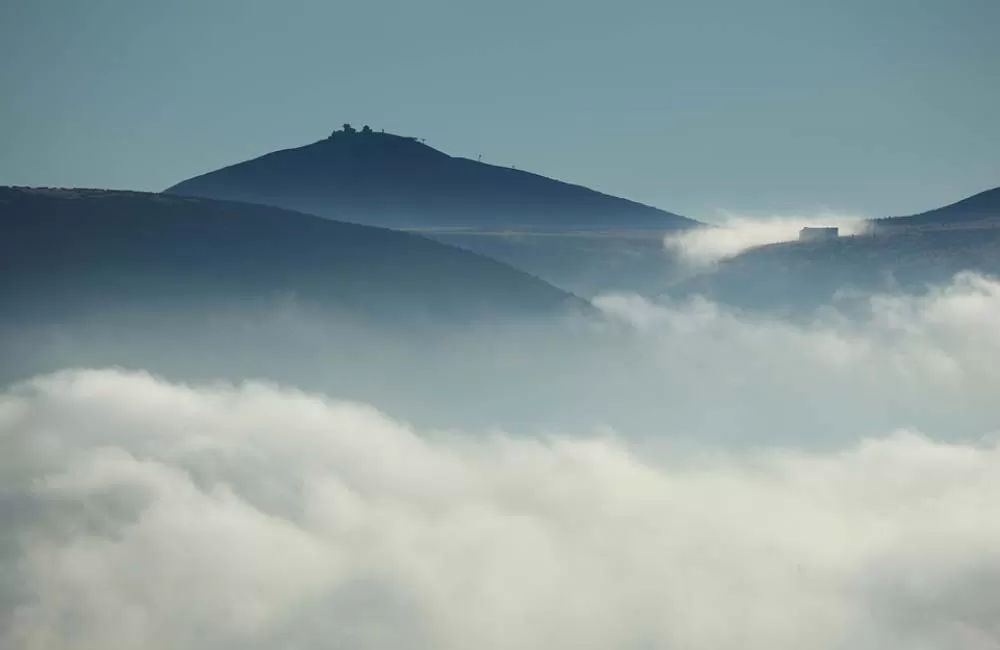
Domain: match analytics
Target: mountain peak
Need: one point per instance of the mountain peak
(383, 179)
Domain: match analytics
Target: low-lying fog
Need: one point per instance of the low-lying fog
(659, 476)
(735, 233)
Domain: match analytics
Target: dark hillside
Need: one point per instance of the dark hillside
(69, 251)
(398, 182)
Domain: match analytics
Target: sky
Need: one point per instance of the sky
(769, 107)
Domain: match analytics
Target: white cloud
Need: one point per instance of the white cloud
(930, 362)
(693, 369)
(140, 513)
(736, 234)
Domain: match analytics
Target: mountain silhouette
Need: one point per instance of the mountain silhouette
(393, 181)
(68, 252)
(896, 255)
(976, 211)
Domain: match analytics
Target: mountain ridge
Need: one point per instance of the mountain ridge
(67, 249)
(972, 210)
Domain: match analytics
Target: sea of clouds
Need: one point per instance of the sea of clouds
(826, 485)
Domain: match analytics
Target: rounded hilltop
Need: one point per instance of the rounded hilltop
(383, 179)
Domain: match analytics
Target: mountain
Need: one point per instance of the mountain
(979, 210)
(896, 255)
(64, 253)
(393, 181)
(802, 276)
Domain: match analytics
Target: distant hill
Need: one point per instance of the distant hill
(392, 181)
(978, 210)
(68, 252)
(796, 276)
(900, 254)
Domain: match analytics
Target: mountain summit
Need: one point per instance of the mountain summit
(381, 179)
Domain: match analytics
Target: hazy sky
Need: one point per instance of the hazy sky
(759, 106)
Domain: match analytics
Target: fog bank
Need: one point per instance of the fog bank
(692, 370)
(141, 513)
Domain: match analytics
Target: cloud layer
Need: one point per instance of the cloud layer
(763, 484)
(140, 513)
(931, 361)
(692, 368)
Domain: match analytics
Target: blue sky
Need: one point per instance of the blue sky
(754, 106)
